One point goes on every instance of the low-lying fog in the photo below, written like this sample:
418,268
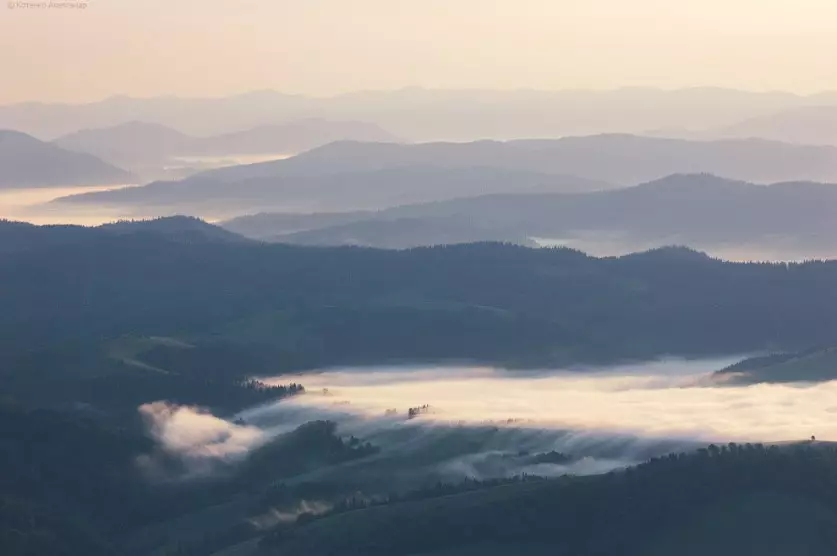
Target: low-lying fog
483,422
33,205
220,161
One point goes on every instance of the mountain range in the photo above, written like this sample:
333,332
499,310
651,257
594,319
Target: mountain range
360,176
698,210
617,159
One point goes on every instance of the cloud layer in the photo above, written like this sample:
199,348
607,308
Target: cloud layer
661,399
486,423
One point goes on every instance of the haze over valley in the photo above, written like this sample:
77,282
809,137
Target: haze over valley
418,278
277,330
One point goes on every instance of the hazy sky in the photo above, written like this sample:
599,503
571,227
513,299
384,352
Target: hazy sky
218,47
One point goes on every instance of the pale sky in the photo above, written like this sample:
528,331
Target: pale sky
323,47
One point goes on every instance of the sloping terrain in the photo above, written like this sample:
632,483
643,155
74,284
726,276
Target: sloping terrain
28,162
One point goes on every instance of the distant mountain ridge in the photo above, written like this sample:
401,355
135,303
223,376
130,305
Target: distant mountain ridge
805,125
613,158
136,143
349,176
129,143
810,125
28,162
320,190
697,210
418,114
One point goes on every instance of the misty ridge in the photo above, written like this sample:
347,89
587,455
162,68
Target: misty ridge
809,125
418,114
418,278
794,218
360,176
421,323
151,148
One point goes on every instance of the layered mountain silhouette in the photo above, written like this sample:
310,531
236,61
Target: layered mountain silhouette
28,162
129,144
360,176
138,143
319,190
619,159
698,210
811,125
